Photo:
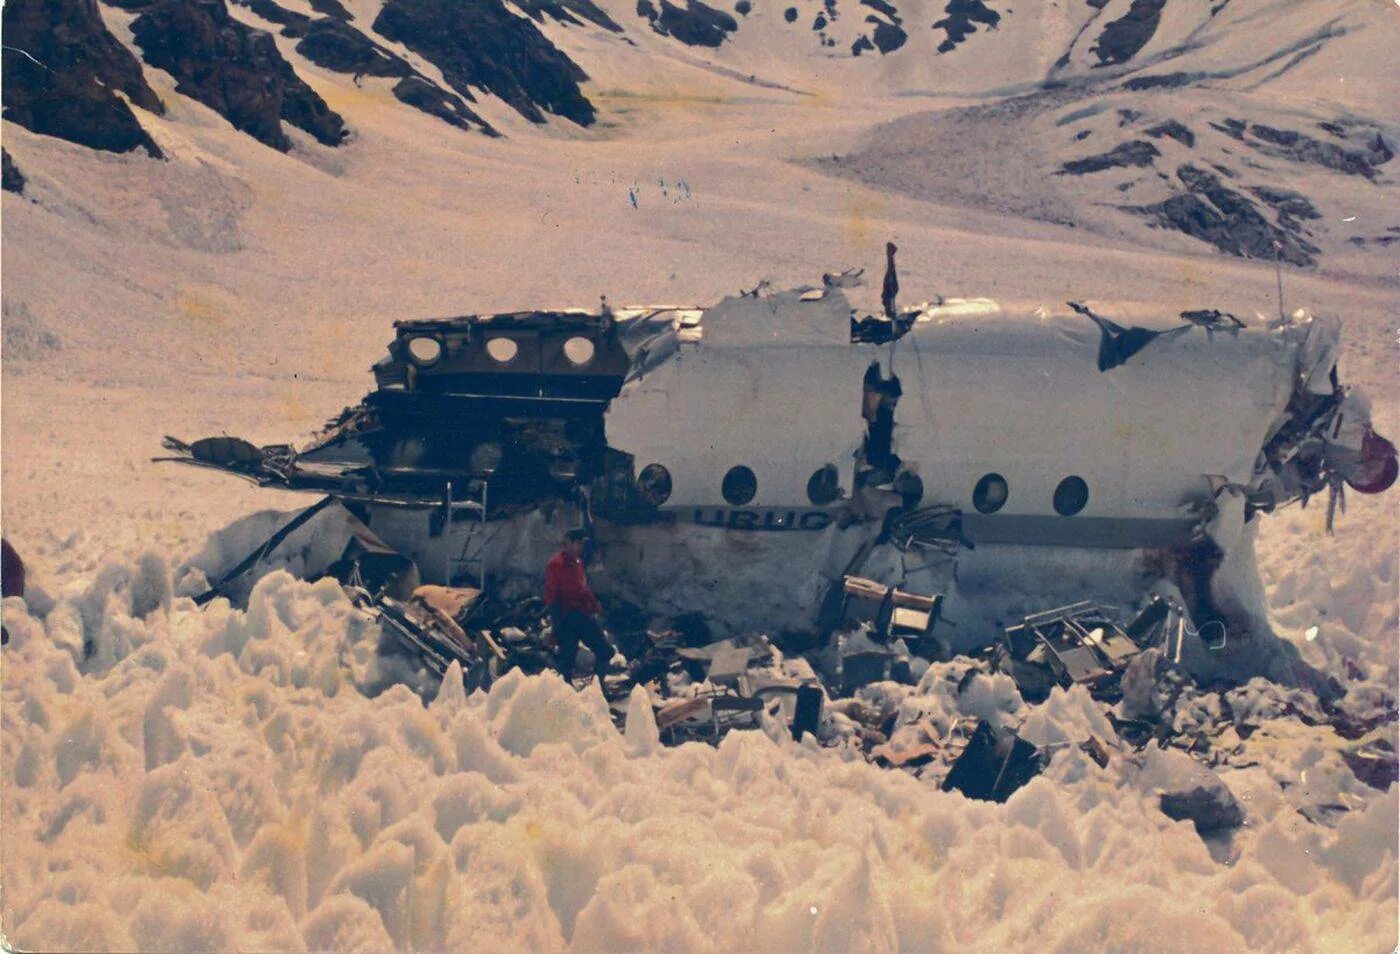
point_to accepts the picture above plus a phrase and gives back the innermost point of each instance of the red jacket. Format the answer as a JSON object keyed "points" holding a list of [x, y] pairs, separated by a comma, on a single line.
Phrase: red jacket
{"points": [[566, 587]]}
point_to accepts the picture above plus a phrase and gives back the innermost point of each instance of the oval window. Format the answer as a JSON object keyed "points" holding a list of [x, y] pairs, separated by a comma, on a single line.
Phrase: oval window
{"points": [[1071, 496], [739, 485], [654, 484], [910, 487], [824, 486], [424, 350], [990, 494], [502, 350], [579, 351]]}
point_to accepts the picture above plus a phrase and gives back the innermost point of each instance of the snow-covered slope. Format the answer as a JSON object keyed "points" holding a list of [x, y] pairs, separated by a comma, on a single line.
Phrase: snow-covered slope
{"points": [[217, 778]]}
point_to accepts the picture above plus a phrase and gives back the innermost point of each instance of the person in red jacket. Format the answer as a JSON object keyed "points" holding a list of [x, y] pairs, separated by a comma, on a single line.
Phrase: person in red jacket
{"points": [[574, 609]]}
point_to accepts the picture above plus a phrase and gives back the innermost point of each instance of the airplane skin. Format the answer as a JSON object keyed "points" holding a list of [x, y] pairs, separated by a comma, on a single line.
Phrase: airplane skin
{"points": [[738, 459]]}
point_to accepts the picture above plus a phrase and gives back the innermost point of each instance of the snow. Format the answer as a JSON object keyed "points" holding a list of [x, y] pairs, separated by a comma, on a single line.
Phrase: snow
{"points": [[254, 807], [264, 779]]}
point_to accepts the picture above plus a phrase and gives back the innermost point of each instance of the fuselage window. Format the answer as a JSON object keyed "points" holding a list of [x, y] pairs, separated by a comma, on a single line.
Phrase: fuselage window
{"points": [[990, 494], [502, 350], [424, 350], [1071, 496], [579, 351], [824, 486], [654, 484], [739, 485]]}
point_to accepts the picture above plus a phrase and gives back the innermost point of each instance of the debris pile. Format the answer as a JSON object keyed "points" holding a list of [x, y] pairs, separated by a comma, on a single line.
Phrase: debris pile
{"points": [[881, 685]]}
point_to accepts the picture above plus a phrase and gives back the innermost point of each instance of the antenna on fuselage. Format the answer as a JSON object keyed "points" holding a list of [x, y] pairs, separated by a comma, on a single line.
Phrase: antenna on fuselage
{"points": [[888, 291]]}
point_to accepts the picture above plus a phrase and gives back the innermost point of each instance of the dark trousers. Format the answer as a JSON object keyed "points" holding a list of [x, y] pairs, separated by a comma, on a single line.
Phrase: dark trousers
{"points": [[572, 627]]}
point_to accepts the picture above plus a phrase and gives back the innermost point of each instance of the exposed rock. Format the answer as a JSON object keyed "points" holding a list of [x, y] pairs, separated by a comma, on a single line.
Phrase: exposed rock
{"points": [[234, 70], [1171, 129], [338, 46], [1299, 147], [1189, 791], [293, 24], [1290, 206], [11, 179], [696, 25], [1133, 154], [1162, 81], [62, 69], [961, 21], [417, 92], [888, 37], [331, 8], [1121, 39], [1213, 213], [1234, 128], [572, 12], [1209, 807], [480, 43]]}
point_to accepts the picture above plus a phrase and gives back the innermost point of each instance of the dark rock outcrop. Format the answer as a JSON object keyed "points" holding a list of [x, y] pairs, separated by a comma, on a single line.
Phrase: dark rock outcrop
{"points": [[1210, 807], [1234, 128], [331, 8], [960, 22], [11, 179], [62, 69], [1290, 206], [1221, 216], [1300, 147], [1121, 39], [480, 43], [422, 95], [292, 23], [1171, 129], [889, 37], [694, 25], [888, 34], [1134, 154], [573, 12], [234, 70], [336, 45]]}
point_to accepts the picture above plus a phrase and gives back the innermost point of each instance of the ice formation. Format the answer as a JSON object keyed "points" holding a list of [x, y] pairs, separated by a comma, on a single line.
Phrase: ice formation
{"points": [[218, 779]]}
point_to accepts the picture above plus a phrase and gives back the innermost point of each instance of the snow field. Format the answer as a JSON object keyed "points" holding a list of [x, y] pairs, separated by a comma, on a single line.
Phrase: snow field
{"points": [[216, 780]]}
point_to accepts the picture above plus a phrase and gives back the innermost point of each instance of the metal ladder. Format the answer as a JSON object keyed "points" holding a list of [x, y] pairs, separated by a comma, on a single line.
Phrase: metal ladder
{"points": [[465, 560]]}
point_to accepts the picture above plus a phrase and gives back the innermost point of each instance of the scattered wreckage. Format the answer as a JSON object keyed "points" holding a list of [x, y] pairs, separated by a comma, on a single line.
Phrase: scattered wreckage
{"points": [[784, 440], [895, 485]]}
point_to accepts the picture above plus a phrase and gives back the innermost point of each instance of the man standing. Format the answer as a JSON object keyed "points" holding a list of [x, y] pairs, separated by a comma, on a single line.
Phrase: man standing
{"points": [[573, 608]]}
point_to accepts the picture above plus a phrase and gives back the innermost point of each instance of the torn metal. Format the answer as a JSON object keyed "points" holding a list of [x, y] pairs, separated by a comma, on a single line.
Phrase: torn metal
{"points": [[769, 439]]}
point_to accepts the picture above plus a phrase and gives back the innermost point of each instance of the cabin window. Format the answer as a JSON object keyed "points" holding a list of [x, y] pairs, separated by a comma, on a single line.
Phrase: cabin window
{"points": [[1071, 496], [990, 494], [502, 350], [424, 350], [910, 487], [739, 485], [579, 351], [824, 486], [654, 484]]}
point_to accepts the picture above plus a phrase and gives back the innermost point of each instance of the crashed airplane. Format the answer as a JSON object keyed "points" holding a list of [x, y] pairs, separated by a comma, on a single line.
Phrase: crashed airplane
{"points": [[742, 460]]}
